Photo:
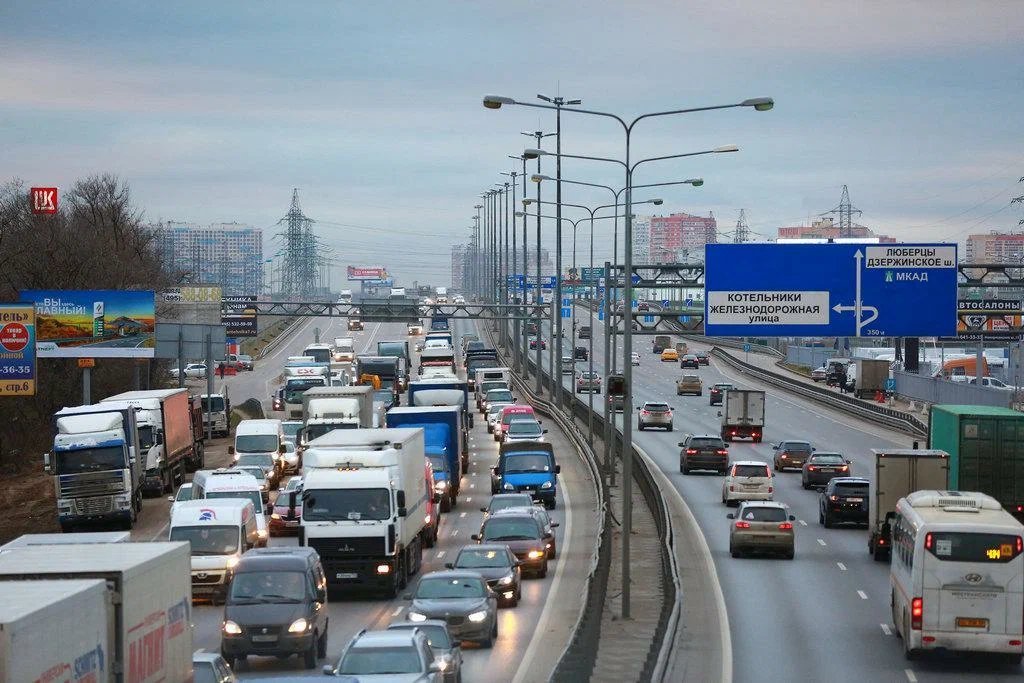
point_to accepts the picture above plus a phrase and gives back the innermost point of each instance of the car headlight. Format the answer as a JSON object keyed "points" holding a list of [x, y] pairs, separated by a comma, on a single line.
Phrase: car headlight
{"points": [[262, 533], [546, 485], [508, 487], [416, 616], [505, 580], [232, 628], [477, 617], [300, 625], [440, 485], [535, 554]]}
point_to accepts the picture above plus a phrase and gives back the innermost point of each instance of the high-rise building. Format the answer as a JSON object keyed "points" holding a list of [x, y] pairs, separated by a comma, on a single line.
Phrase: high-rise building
{"points": [[641, 240], [461, 254], [225, 254], [996, 247], [826, 228], [680, 237]]}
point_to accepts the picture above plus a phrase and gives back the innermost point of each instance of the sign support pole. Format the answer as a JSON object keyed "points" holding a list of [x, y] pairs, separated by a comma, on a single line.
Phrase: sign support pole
{"points": [[86, 386], [209, 386]]}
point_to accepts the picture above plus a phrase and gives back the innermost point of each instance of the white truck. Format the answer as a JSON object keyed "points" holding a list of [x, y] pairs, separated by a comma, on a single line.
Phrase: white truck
{"points": [[743, 414], [301, 373], [442, 295], [364, 503], [42, 640], [148, 586], [898, 473], [345, 296], [344, 350], [164, 419], [329, 408], [26, 540], [216, 412], [320, 353], [96, 467]]}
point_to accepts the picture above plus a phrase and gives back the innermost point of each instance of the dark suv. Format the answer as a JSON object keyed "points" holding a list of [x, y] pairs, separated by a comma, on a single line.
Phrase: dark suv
{"points": [[276, 605], [718, 393], [845, 499], [584, 332], [703, 452]]}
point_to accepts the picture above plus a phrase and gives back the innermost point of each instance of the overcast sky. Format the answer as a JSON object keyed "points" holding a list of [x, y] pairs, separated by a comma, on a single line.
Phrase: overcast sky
{"points": [[214, 111]]}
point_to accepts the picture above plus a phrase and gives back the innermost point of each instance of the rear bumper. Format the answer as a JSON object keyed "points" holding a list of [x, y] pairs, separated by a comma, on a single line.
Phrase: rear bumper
{"points": [[747, 495], [756, 542], [705, 462], [847, 514], [964, 642]]}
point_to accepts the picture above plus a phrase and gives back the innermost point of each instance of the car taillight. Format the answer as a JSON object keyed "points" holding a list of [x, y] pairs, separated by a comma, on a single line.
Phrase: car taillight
{"points": [[916, 612], [881, 541], [742, 525], [928, 541], [812, 468], [691, 451], [734, 432], [770, 489], [731, 487], [785, 526], [1020, 544], [645, 412], [844, 468], [720, 451], [833, 498]]}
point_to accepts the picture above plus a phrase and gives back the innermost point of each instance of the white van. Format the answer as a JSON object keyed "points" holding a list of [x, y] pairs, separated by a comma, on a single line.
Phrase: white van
{"points": [[490, 375], [218, 531], [260, 442], [228, 482]]}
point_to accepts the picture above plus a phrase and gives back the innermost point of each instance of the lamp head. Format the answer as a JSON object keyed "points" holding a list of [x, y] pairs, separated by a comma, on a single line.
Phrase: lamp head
{"points": [[696, 182], [519, 214], [495, 101], [537, 177], [526, 201], [725, 148], [759, 103], [534, 153]]}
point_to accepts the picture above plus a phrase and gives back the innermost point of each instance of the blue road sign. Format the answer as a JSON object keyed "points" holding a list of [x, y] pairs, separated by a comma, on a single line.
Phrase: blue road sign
{"points": [[890, 384], [600, 314], [853, 290], [566, 312], [635, 279], [632, 303], [746, 348], [591, 274], [684, 318], [648, 318], [665, 303], [566, 301], [689, 301]]}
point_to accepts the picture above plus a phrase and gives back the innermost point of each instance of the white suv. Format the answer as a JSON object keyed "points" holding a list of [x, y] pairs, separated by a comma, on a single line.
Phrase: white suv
{"points": [[747, 480]]}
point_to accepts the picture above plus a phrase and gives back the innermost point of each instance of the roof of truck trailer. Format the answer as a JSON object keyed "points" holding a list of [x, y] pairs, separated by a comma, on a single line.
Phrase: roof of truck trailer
{"points": [[362, 437], [91, 557], [987, 411]]}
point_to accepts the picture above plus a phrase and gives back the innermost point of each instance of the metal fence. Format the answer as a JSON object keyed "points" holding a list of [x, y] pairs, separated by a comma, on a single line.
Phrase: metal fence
{"points": [[808, 356], [938, 390]]}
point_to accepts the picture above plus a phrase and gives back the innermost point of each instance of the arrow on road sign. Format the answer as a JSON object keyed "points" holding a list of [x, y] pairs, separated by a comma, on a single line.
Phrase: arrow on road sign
{"points": [[858, 306]]}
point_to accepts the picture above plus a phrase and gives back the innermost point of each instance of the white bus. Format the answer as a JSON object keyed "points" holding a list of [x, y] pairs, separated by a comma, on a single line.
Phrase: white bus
{"points": [[957, 574]]}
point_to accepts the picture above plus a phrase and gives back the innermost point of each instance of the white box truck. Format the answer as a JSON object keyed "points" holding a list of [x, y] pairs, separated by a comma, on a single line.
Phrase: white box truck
{"points": [[344, 350], [26, 540], [898, 473], [743, 414], [96, 467], [56, 631], [149, 588], [364, 502], [301, 373], [329, 408], [164, 419], [216, 413]]}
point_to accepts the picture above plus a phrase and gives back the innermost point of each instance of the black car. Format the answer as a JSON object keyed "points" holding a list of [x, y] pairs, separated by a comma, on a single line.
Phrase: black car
{"points": [[717, 393], [643, 306], [791, 453], [703, 452], [702, 357], [819, 468], [583, 332], [689, 361], [276, 605], [845, 499], [497, 564], [580, 353]]}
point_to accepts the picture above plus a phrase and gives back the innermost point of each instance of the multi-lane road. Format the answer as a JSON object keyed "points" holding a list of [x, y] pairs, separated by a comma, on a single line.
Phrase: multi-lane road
{"points": [[531, 636], [824, 615]]}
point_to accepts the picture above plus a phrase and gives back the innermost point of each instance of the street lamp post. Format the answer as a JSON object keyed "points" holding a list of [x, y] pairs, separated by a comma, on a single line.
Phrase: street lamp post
{"points": [[478, 284], [537, 297], [759, 104]]}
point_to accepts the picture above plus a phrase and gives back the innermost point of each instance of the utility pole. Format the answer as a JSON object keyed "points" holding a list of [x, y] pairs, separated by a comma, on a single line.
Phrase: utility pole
{"points": [[846, 210]]}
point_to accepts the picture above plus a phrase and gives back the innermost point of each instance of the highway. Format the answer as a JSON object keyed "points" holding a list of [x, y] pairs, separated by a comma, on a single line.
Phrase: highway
{"points": [[531, 636], [824, 615]]}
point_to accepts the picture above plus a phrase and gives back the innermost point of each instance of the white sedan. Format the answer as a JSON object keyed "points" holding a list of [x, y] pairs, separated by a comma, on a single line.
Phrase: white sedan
{"points": [[192, 370], [634, 358]]}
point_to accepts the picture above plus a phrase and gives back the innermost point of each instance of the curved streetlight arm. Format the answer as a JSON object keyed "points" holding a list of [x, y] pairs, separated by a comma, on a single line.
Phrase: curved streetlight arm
{"points": [[527, 201], [534, 153], [718, 150]]}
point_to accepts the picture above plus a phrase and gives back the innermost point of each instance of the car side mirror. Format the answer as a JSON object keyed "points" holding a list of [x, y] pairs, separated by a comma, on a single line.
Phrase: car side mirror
{"points": [[813, 449], [47, 463], [558, 469], [407, 596], [475, 537], [730, 516], [449, 565], [483, 509], [437, 498], [792, 518], [170, 499], [849, 462], [681, 444], [544, 431], [719, 413], [435, 667], [555, 524], [231, 450], [726, 445], [293, 497], [282, 449], [775, 446], [328, 670]]}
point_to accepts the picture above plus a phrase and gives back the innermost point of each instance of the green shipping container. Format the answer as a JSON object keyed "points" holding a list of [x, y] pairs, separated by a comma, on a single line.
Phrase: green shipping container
{"points": [[986, 450]]}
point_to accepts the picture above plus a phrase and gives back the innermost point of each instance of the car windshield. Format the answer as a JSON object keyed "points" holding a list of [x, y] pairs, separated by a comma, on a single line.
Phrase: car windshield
{"points": [[751, 471], [268, 586], [851, 489], [828, 459], [327, 505], [493, 384], [213, 405], [499, 396], [656, 408], [369, 661], [319, 355], [450, 587], [255, 496], [509, 417], [184, 493], [691, 378], [204, 673], [294, 484], [753, 513], [524, 428], [510, 529], [90, 460], [489, 558], [475, 346], [261, 460], [587, 374], [723, 387], [256, 443], [208, 540], [494, 409], [254, 470], [291, 429], [706, 443], [801, 446], [526, 462], [385, 396], [505, 501]]}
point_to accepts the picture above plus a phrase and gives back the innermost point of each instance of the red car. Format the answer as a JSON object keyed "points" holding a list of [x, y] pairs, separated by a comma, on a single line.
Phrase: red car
{"points": [[282, 521], [535, 341]]}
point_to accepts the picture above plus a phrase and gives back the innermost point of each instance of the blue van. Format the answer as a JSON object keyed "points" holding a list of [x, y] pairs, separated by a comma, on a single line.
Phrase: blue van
{"points": [[527, 467]]}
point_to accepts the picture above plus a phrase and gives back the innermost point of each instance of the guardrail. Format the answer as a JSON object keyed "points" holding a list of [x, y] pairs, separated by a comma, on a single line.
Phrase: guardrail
{"points": [[578, 659], [876, 413]]}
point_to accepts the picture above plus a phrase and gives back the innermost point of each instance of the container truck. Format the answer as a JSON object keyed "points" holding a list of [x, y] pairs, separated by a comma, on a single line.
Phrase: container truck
{"points": [[743, 414], [329, 408], [216, 409], [164, 419], [445, 391], [96, 465], [866, 376], [26, 540], [986, 450], [388, 368], [301, 373], [398, 349], [442, 430], [197, 421], [898, 473], [42, 640], [148, 586], [364, 501], [345, 296]]}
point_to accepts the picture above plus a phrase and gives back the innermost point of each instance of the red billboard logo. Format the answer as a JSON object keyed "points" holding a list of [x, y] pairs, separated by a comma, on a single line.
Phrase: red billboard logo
{"points": [[367, 273], [44, 199], [14, 337]]}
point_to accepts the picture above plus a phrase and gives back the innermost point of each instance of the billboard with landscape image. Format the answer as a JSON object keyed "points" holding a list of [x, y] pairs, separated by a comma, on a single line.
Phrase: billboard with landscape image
{"points": [[94, 323]]}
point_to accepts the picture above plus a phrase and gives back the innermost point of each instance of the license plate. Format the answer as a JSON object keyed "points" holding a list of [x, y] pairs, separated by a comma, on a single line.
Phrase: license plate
{"points": [[827, 469], [971, 622], [854, 500], [752, 486], [264, 639], [345, 575]]}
